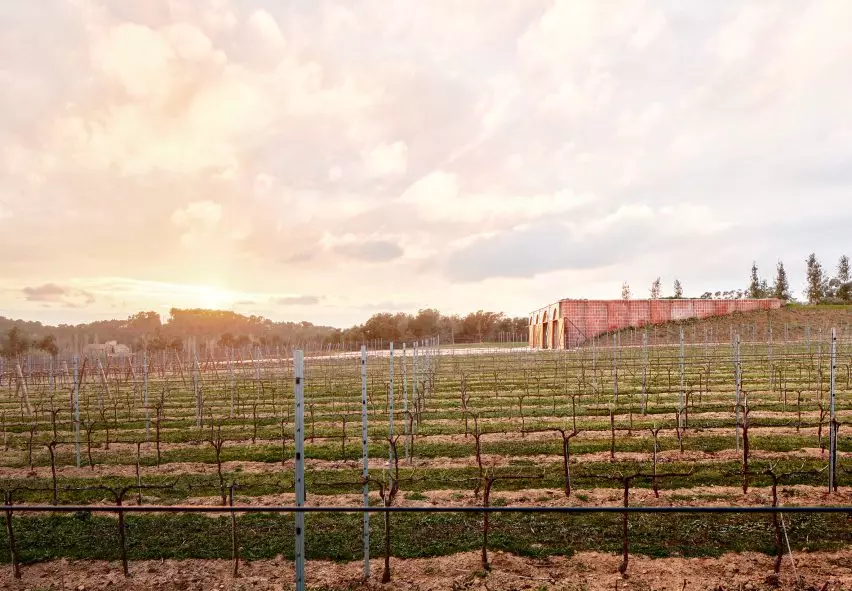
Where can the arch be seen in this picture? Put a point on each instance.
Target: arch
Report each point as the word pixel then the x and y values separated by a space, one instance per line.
pixel 554 334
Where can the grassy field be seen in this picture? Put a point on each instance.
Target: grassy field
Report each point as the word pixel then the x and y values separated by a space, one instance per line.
pixel 491 426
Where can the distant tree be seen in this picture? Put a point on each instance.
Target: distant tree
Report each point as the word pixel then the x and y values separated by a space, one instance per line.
pixel 425 324
pixel 15 344
pixel 655 289
pixel 144 323
pixel 781 288
pixel 844 289
pixel 816 288
pixel 678 289
pixel 227 340
pixel 48 345
pixel 754 286
pixel 476 326
pixel 625 291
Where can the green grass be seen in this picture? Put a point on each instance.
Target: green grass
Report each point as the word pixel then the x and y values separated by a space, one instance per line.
pixel 338 536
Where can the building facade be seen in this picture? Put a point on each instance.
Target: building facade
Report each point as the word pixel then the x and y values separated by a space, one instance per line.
pixel 569 323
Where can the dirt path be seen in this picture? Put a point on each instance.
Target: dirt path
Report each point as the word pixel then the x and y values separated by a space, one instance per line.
pixel 592 571
pixel 581 497
pixel 495 460
pixel 128 451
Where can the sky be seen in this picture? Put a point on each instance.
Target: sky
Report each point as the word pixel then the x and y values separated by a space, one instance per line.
pixel 323 161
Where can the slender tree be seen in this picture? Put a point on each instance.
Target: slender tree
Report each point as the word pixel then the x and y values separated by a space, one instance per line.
pixel 678 289
pixel 844 289
pixel 655 289
pixel 754 287
pixel 781 289
pixel 625 291
pixel 816 280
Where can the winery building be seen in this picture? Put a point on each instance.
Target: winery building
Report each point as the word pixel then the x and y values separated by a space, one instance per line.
pixel 569 323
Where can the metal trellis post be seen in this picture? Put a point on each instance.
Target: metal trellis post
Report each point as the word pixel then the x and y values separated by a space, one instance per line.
pixel 299 436
pixel 145 396
pixel 195 386
pixel 390 411
pixel 738 380
pixel 832 446
pixel 77 409
pixel 405 397
pixel 366 471
pixel 682 392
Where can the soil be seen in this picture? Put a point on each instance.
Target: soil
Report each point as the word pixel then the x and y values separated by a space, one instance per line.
pixel 247 467
pixel 802 495
pixel 828 571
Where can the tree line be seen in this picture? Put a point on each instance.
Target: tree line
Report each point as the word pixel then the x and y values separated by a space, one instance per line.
pixel 148 331
pixel 204 329
pixel 476 327
pixel 822 288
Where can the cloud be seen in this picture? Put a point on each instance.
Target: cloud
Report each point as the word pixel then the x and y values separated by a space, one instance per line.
pixel 552 144
pixel 304 300
pixel 263 23
pixel 372 251
pixel 557 245
pixel 438 196
pixel 386 159
pixel 51 293
pixel 203 213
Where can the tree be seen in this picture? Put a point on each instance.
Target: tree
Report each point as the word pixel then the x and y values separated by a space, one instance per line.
pixel 754 286
pixel 816 280
pixel 844 289
pixel 48 345
pixel 655 289
pixel 15 344
pixel 625 291
pixel 477 325
pixel 678 289
pixel 425 324
pixel 781 289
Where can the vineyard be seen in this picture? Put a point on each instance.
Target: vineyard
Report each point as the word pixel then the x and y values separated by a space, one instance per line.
pixel 739 412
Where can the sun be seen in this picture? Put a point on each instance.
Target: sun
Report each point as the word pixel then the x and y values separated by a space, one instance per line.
pixel 214 298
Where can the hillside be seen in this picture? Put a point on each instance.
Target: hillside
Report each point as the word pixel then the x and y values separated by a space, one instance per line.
pixel 794 322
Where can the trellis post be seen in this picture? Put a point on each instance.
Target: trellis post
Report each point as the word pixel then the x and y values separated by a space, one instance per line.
pixel 365 473
pixel 299 436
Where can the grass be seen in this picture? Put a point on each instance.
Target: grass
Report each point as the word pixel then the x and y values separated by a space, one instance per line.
pixel 338 536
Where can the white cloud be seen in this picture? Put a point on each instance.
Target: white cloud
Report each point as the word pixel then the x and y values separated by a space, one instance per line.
pixel 189 42
pixel 438 197
pixel 386 159
pixel 197 220
pixel 437 145
pixel 263 23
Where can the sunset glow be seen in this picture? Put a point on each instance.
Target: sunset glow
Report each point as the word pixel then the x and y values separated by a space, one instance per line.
pixel 323 161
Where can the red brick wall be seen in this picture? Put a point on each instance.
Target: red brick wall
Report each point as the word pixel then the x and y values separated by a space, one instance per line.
pixel 585 319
